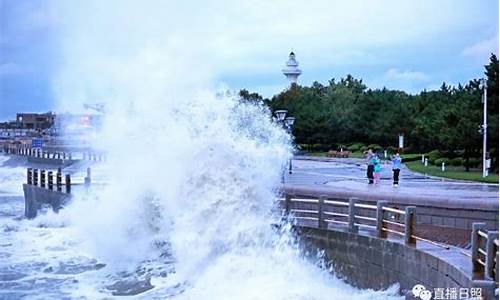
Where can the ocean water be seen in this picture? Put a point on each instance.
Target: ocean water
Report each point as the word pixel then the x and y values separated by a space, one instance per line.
pixel 191 219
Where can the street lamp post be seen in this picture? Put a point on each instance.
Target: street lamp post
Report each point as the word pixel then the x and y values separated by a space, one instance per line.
pixel 484 127
pixel 287 123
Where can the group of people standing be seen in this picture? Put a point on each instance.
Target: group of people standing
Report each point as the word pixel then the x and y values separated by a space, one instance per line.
pixel 374 167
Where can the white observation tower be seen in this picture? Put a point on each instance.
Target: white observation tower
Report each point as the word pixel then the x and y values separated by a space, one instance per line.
pixel 292 70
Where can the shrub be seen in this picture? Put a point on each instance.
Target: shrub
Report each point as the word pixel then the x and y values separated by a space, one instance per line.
pixel 355 147
pixel 440 161
pixel 474 162
pixel 374 147
pixel 433 155
pixel 392 150
pixel 411 157
pixel 457 161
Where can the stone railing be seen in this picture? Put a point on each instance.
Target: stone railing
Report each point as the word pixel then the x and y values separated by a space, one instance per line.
pixel 45 179
pixel 379 227
pixel 484 252
pixel 54 155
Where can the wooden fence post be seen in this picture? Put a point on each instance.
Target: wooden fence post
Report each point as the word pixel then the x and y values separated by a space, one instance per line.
pixel 68 184
pixel 490 255
pixel 410 225
pixel 321 216
pixel 380 219
pixel 476 267
pixel 352 216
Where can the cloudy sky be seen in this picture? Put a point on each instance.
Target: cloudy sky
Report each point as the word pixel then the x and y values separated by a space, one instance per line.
pixel 406 45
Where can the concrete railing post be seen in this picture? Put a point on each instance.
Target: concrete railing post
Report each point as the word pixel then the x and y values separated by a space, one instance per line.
pixel 59 180
pixel 487 289
pixel 87 178
pixel 321 216
pixel 29 178
pixel 490 255
pixel 35 177
pixel 380 219
pixel 50 179
pixel 42 178
pixel 476 266
pixel 288 204
pixel 68 184
pixel 352 215
pixel 410 225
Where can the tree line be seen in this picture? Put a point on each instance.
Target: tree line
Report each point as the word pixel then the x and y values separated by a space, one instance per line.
pixel 346 111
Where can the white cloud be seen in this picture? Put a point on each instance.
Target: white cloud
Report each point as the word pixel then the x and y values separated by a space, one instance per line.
pixel 482 49
pixel 396 74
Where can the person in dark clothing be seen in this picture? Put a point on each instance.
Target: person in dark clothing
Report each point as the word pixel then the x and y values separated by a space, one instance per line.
pixel 396 167
pixel 370 166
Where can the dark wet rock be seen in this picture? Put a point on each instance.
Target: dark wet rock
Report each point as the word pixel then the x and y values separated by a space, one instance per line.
pixel 130 287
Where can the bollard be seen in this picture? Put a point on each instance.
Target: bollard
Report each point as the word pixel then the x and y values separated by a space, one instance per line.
pixel 68 184
pixel 410 225
pixel 69 156
pixel 288 204
pixel 443 168
pixel 64 155
pixel 423 158
pixel 352 215
pixel 35 177
pixel 426 162
pixel 42 178
pixel 50 179
pixel 84 156
pixel 321 216
pixel 59 180
pixel 490 255
pixel 87 178
pixel 29 176
pixel 476 266
pixel 380 219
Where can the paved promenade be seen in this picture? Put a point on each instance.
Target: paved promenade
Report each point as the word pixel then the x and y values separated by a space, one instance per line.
pixel 350 175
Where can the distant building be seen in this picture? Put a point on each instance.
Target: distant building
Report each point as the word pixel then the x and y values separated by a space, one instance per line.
pixel 292 71
pixel 35 121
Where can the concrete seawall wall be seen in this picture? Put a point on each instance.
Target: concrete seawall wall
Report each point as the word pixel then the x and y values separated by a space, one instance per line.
pixel 369 262
pixel 35 197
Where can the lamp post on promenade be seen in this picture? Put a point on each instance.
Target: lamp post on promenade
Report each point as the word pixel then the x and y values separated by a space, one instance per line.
pixel 484 127
pixel 287 123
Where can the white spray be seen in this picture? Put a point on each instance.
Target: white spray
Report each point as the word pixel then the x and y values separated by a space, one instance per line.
pixel 185 166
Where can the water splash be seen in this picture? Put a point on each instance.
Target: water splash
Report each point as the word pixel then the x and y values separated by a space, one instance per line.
pixel 191 173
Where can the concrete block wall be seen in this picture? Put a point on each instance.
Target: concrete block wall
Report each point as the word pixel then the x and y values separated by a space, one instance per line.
pixel 369 262
pixel 35 197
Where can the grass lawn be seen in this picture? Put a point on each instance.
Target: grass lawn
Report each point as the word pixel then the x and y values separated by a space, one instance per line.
pixel 451 172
